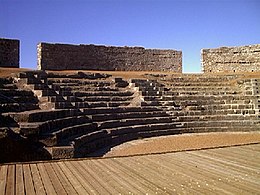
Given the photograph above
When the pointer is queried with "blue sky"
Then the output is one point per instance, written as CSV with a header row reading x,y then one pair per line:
x,y
186,25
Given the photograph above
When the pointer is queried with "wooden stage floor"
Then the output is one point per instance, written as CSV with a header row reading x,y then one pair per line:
x,y
231,170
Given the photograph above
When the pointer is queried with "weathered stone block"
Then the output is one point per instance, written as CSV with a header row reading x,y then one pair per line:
x,y
231,59
93,57
9,53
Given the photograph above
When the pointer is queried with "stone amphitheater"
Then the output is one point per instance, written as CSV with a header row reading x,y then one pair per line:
x,y
57,113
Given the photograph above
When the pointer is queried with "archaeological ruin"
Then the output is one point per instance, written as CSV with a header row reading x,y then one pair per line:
x,y
48,114
98,57
9,53
231,59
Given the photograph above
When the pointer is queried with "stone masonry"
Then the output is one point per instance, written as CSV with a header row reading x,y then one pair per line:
x,y
231,59
9,53
93,57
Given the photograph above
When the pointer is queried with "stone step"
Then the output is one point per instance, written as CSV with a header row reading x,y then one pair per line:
x,y
46,92
60,152
5,81
41,86
152,88
220,107
94,111
49,126
201,88
17,107
220,91
170,131
217,118
152,93
40,74
63,105
145,82
159,103
212,112
18,99
7,121
98,93
8,86
65,135
71,82
119,139
31,81
84,140
75,83
128,115
213,97
195,84
134,121
142,128
198,93
220,104
87,98
220,129
222,123
43,115
90,148
151,103
198,79
106,98
15,92
84,88
229,99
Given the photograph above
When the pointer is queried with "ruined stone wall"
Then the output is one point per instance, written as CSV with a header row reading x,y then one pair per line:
x,y
93,57
231,59
9,53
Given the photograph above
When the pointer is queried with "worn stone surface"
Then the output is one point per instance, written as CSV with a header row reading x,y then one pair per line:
x,y
231,59
93,57
9,53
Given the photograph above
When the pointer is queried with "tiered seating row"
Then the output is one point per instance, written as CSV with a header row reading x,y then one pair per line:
x,y
223,103
87,114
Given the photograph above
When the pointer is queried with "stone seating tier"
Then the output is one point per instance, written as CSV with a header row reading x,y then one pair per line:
x,y
81,112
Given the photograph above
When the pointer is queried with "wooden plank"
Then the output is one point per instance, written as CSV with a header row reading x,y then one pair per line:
x,y
86,184
3,179
38,185
128,184
19,180
104,188
29,188
54,179
63,179
74,181
89,177
10,187
46,180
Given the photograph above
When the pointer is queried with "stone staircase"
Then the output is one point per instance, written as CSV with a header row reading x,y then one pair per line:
x,y
14,99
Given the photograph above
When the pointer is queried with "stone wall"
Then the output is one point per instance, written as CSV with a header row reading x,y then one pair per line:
x,y
9,53
93,57
231,59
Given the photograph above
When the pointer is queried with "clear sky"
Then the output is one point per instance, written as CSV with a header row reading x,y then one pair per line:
x,y
186,25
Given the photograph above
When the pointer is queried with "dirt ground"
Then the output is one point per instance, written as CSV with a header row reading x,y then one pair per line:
x,y
7,72
183,142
